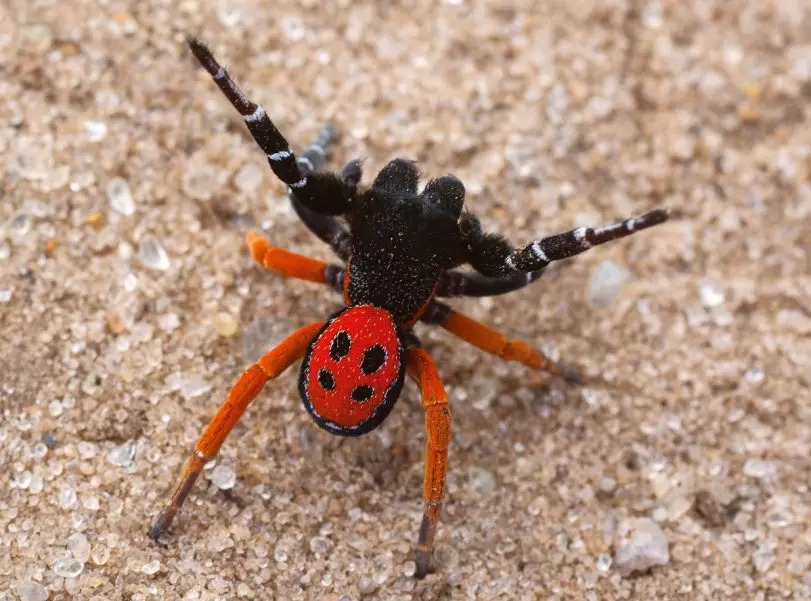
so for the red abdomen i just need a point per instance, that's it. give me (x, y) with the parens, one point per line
(353, 371)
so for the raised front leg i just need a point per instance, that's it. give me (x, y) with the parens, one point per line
(438, 437)
(326, 193)
(246, 389)
(493, 256)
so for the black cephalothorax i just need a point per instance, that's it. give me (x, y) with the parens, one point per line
(402, 241)
(400, 249)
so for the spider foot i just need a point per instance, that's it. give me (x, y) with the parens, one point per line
(161, 524)
(570, 374)
(423, 561)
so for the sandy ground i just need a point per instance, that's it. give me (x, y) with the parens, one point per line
(554, 113)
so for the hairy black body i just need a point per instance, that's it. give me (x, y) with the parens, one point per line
(402, 242)
(399, 248)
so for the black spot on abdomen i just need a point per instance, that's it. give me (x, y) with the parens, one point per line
(362, 393)
(340, 346)
(326, 379)
(373, 359)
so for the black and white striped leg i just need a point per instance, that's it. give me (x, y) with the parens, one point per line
(541, 252)
(325, 193)
(329, 229)
(492, 255)
(458, 283)
(314, 157)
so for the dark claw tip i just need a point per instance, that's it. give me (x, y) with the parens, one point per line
(571, 375)
(203, 55)
(331, 131)
(159, 527)
(195, 45)
(423, 560)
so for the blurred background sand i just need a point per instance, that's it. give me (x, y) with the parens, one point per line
(129, 305)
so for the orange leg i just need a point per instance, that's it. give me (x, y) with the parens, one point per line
(495, 342)
(249, 385)
(438, 433)
(284, 262)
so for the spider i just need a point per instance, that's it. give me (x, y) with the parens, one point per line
(400, 248)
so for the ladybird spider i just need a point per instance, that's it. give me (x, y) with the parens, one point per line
(400, 247)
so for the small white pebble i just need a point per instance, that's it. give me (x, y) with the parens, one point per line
(358, 543)
(123, 454)
(779, 519)
(606, 283)
(243, 590)
(19, 225)
(279, 554)
(120, 196)
(795, 321)
(55, 408)
(169, 322)
(200, 180)
(67, 567)
(86, 449)
(711, 296)
(367, 585)
(194, 387)
(759, 468)
(101, 555)
(640, 544)
(79, 547)
(152, 254)
(31, 591)
(36, 485)
(608, 484)
(678, 507)
(142, 332)
(249, 178)
(219, 544)
(95, 129)
(125, 251)
(763, 557)
(537, 506)
(482, 482)
(754, 375)
(218, 584)
(223, 477)
(91, 503)
(652, 15)
(67, 496)
(151, 568)
(225, 325)
(22, 480)
(603, 563)
(409, 569)
(320, 545)
(682, 147)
